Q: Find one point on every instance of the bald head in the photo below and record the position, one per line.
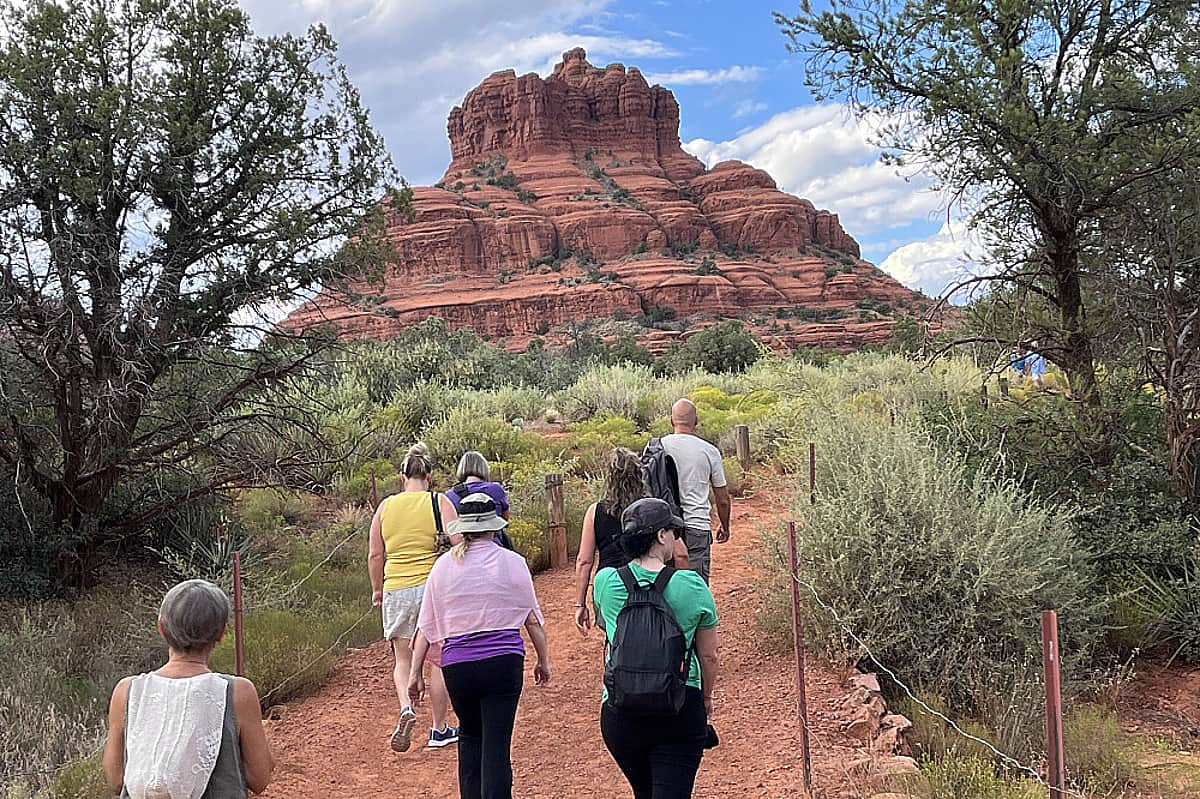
(684, 417)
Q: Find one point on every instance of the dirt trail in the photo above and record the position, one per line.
(334, 744)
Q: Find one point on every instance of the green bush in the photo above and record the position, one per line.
(356, 486)
(529, 538)
(290, 654)
(82, 779)
(976, 778)
(903, 532)
(1097, 752)
(264, 510)
(463, 430)
(723, 347)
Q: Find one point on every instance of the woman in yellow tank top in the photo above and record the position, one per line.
(402, 552)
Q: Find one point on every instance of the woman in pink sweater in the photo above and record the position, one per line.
(477, 598)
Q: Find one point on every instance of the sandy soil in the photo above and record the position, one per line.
(334, 745)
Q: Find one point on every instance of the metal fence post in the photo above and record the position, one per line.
(798, 642)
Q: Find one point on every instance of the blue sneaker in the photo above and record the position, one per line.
(444, 738)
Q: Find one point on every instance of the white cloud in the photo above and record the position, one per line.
(749, 108)
(824, 154)
(698, 77)
(413, 60)
(934, 264)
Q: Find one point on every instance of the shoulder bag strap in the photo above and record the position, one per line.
(437, 512)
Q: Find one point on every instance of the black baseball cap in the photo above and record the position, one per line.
(649, 515)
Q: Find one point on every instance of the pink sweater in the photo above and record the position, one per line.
(489, 589)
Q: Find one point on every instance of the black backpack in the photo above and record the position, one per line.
(649, 658)
(662, 478)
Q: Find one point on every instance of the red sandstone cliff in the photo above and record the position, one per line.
(570, 198)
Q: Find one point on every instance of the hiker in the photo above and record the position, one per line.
(474, 475)
(1016, 361)
(183, 731)
(655, 715)
(477, 599)
(403, 549)
(1035, 364)
(623, 484)
(699, 467)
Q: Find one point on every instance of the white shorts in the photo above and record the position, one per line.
(401, 609)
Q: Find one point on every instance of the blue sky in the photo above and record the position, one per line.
(741, 94)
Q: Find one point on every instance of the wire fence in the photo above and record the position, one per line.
(1003, 757)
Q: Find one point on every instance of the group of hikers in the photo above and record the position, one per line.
(455, 597)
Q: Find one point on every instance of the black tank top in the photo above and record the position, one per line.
(608, 531)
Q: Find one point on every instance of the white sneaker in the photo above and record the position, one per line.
(402, 735)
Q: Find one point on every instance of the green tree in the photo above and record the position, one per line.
(166, 178)
(625, 349)
(1040, 116)
(724, 347)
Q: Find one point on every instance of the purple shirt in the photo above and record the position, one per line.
(493, 490)
(481, 646)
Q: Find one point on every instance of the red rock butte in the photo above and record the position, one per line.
(569, 199)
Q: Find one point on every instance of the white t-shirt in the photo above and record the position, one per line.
(699, 465)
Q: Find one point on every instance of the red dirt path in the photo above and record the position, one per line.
(333, 745)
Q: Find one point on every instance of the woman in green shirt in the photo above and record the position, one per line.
(660, 754)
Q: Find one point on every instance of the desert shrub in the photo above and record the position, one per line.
(737, 480)
(463, 429)
(933, 739)
(903, 532)
(58, 664)
(267, 509)
(1097, 752)
(592, 442)
(530, 539)
(82, 779)
(976, 777)
(289, 654)
(356, 486)
(1162, 613)
(607, 390)
(723, 347)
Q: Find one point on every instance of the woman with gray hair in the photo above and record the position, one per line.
(474, 476)
(183, 732)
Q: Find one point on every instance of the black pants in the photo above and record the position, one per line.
(659, 755)
(484, 694)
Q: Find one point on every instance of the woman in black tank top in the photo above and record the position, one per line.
(600, 544)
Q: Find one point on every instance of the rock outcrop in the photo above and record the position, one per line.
(570, 198)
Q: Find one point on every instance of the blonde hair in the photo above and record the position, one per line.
(459, 550)
(417, 463)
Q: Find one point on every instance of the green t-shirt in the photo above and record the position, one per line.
(687, 594)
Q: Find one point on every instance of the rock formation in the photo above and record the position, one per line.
(570, 198)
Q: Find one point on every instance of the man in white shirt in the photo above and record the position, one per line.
(700, 468)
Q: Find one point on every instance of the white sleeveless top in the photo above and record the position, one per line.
(173, 730)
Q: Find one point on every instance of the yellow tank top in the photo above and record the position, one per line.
(409, 539)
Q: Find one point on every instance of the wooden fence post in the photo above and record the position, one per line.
(239, 641)
(983, 395)
(1055, 767)
(798, 642)
(374, 491)
(558, 521)
(741, 437)
(1003, 387)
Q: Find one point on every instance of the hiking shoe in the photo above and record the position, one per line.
(444, 738)
(402, 735)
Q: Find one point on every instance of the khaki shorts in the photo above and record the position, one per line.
(401, 609)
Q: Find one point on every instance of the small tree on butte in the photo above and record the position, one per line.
(165, 177)
(1040, 116)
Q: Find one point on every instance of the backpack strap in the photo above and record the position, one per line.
(437, 512)
(461, 491)
(664, 577)
(631, 583)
